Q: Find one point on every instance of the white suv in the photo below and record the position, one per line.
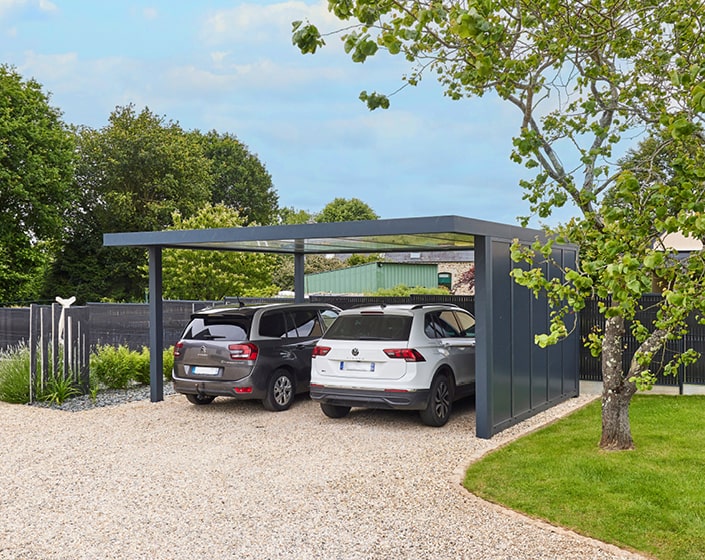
(414, 357)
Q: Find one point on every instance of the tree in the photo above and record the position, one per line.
(582, 75)
(240, 180)
(346, 210)
(214, 275)
(466, 280)
(36, 169)
(289, 215)
(337, 210)
(132, 175)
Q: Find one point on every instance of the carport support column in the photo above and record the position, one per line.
(299, 289)
(156, 331)
(483, 331)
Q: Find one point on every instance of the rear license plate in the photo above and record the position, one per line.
(357, 366)
(204, 370)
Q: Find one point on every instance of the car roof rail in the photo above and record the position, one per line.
(432, 303)
(368, 304)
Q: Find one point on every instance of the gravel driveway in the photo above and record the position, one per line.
(170, 480)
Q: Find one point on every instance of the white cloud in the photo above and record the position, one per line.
(263, 23)
(31, 6)
(150, 13)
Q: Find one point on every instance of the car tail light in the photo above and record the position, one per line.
(246, 351)
(320, 350)
(407, 354)
(177, 349)
(242, 390)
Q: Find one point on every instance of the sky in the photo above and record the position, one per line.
(230, 66)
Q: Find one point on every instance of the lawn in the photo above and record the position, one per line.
(651, 499)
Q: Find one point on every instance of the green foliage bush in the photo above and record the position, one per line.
(401, 290)
(118, 367)
(115, 367)
(58, 389)
(110, 367)
(14, 375)
(168, 362)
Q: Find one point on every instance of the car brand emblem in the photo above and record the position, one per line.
(203, 349)
(355, 352)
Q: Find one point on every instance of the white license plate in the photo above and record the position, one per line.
(357, 366)
(204, 370)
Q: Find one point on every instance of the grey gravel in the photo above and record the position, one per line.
(105, 397)
(170, 480)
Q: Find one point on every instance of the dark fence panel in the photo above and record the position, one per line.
(127, 324)
(590, 367)
(14, 326)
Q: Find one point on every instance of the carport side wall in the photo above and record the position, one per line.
(515, 378)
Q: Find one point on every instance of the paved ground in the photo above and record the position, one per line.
(173, 481)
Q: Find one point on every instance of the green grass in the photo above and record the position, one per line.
(651, 499)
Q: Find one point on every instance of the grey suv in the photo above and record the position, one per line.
(256, 352)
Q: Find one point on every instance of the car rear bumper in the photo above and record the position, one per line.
(398, 400)
(218, 388)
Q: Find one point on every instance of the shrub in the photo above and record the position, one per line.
(58, 389)
(113, 367)
(117, 367)
(168, 362)
(403, 291)
(14, 374)
(140, 362)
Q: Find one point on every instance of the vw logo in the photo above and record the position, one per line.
(355, 351)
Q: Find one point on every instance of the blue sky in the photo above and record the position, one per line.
(230, 66)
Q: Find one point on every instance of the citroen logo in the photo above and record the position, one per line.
(355, 351)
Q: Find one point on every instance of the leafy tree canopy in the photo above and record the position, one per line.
(213, 275)
(36, 167)
(346, 210)
(240, 180)
(288, 215)
(132, 175)
(583, 77)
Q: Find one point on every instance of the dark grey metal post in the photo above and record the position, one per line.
(299, 287)
(156, 332)
(483, 349)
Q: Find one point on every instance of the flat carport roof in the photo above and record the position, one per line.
(435, 233)
(501, 316)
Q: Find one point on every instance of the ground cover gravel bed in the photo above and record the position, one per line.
(131, 479)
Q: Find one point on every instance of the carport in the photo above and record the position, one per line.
(515, 378)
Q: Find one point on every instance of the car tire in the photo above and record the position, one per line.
(334, 410)
(440, 402)
(280, 391)
(200, 399)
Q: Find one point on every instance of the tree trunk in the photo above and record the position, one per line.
(617, 392)
(617, 389)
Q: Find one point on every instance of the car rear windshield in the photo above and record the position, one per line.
(370, 327)
(216, 328)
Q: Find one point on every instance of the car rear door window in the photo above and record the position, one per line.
(441, 324)
(466, 323)
(274, 325)
(307, 323)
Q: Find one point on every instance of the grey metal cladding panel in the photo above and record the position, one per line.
(555, 352)
(522, 348)
(539, 356)
(571, 346)
(501, 373)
